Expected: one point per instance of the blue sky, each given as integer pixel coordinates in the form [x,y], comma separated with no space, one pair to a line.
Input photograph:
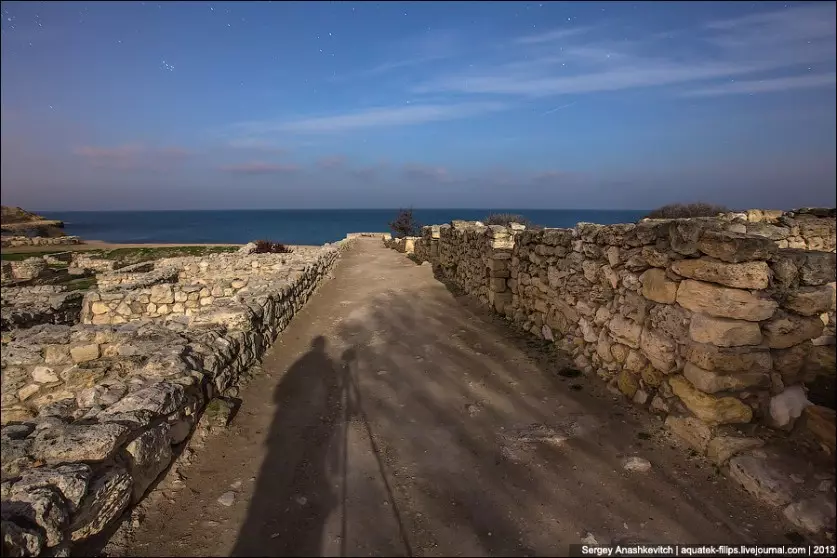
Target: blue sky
[191,105]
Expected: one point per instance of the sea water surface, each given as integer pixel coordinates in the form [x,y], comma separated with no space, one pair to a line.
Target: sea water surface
[290,226]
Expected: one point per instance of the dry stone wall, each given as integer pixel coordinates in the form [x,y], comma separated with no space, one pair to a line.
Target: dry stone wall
[91,412]
[709,322]
[16,241]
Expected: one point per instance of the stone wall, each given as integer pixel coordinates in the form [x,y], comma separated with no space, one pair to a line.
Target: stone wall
[16,241]
[45,304]
[708,322]
[91,412]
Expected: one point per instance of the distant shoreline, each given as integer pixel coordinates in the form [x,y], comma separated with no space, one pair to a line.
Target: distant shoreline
[102,245]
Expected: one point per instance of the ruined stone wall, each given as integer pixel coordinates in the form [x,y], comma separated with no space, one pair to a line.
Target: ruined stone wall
[91,412]
[722,319]
[45,304]
[15,241]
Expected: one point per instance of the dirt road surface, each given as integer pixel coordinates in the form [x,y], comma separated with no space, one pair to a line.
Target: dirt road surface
[396,419]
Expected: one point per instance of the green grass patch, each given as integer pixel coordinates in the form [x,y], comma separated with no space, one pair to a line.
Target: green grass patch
[130,256]
[20,256]
[81,284]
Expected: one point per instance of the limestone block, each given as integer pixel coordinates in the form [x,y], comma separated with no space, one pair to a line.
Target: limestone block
[820,421]
[785,329]
[42,506]
[786,407]
[44,375]
[724,302]
[150,455]
[659,348]
[625,331]
[811,301]
[721,448]
[657,287]
[735,248]
[708,408]
[84,353]
[816,514]
[724,332]
[759,478]
[693,432]
[711,381]
[748,275]
[728,359]
[69,480]
[161,294]
[71,443]
[108,495]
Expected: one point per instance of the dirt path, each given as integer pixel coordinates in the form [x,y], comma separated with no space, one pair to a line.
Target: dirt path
[394,419]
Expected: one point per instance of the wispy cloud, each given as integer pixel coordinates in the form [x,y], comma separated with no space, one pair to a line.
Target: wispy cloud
[333,162]
[373,118]
[553,35]
[259,167]
[134,156]
[556,109]
[786,40]
[766,85]
[423,172]
[261,146]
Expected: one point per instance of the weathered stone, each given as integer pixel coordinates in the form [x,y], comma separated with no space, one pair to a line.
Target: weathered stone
[627,383]
[18,541]
[70,480]
[708,408]
[711,381]
[70,443]
[815,515]
[44,375]
[218,412]
[107,496]
[791,361]
[724,302]
[728,359]
[42,506]
[722,448]
[625,331]
[84,353]
[161,294]
[788,406]
[150,455]
[724,332]
[811,301]
[735,248]
[27,391]
[636,465]
[762,480]
[786,330]
[658,348]
[657,287]
[162,398]
[820,421]
[56,354]
[749,275]
[693,432]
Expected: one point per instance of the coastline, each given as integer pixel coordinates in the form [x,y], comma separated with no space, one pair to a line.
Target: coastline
[102,245]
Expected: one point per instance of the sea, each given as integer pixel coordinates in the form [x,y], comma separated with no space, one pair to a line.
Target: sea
[290,226]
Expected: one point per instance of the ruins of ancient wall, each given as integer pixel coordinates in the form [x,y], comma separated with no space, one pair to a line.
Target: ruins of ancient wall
[16,241]
[709,322]
[91,412]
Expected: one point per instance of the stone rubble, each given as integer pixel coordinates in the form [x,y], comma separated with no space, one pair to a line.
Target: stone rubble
[92,410]
[709,322]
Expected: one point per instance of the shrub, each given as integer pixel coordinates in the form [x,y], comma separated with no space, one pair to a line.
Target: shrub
[683,210]
[405,224]
[505,219]
[268,247]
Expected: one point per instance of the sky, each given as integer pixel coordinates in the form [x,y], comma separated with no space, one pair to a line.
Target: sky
[600,105]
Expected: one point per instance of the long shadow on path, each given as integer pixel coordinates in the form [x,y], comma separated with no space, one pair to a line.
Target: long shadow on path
[293,494]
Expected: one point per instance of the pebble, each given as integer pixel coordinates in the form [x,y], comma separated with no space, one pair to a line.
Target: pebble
[589,539]
[637,464]
[236,485]
[227,499]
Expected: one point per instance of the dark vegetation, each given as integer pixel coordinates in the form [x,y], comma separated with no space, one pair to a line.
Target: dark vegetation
[268,247]
[505,219]
[405,224]
[684,210]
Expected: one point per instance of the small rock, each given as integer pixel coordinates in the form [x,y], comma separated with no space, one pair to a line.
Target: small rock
[236,485]
[815,514]
[44,375]
[227,499]
[301,500]
[636,464]
[588,538]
